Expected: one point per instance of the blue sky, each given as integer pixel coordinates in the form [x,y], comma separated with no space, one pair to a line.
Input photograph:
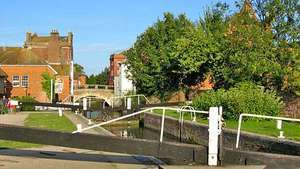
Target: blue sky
[100,27]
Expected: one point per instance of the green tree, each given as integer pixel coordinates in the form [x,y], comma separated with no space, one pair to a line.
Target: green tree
[78,69]
[149,60]
[282,16]
[101,78]
[46,83]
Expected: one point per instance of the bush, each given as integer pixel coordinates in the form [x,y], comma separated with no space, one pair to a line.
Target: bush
[3,109]
[26,107]
[243,98]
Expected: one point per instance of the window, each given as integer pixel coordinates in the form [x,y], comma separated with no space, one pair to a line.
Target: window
[25,81]
[15,81]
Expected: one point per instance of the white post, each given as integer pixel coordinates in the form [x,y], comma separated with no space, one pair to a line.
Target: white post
[79,127]
[51,91]
[279,124]
[239,132]
[90,102]
[60,112]
[138,100]
[72,81]
[103,105]
[128,103]
[213,136]
[162,126]
[84,103]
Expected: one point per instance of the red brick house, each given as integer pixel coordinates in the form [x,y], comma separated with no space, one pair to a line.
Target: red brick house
[114,67]
[25,65]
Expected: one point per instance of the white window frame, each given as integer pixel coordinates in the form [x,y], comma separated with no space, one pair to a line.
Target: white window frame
[15,81]
[24,80]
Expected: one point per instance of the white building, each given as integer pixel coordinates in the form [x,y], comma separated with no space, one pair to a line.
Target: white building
[122,83]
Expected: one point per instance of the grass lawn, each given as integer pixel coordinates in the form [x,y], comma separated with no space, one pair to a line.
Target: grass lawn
[49,121]
[264,127]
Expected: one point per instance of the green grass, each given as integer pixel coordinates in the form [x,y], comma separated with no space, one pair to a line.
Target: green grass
[49,121]
[263,127]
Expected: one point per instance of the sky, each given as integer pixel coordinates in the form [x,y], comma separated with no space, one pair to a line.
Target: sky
[100,27]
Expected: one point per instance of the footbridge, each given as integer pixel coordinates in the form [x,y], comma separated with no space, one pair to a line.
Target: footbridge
[104,92]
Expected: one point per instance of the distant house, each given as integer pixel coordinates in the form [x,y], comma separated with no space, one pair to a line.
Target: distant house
[114,67]
[25,65]
[119,76]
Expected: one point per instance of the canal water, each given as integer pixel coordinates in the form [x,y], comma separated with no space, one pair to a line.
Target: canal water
[134,129]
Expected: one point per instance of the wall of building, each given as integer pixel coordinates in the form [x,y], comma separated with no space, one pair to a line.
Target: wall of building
[54,48]
[66,87]
[35,78]
[123,84]
[114,67]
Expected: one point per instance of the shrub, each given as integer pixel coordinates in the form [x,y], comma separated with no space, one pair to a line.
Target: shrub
[26,107]
[243,98]
[3,109]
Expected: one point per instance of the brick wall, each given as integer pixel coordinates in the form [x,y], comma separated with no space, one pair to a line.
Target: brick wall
[35,78]
[114,67]
[66,87]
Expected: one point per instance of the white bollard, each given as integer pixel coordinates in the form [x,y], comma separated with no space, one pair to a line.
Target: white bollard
[129,103]
[90,122]
[281,136]
[84,102]
[79,127]
[213,144]
[60,112]
[279,124]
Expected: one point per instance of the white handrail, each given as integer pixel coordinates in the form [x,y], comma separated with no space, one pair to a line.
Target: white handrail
[126,96]
[193,114]
[258,116]
[137,113]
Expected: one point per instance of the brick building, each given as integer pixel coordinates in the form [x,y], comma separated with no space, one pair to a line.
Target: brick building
[114,67]
[25,65]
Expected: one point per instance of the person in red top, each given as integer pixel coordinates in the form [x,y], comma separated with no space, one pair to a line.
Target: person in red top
[9,105]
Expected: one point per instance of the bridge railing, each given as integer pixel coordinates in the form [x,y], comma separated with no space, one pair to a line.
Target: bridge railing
[96,86]
[139,97]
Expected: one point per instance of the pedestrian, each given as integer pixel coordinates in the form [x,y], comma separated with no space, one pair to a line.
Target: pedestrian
[9,105]
[4,100]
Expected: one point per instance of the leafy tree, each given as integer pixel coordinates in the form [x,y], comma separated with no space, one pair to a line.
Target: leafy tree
[282,16]
[149,60]
[101,78]
[46,83]
[78,69]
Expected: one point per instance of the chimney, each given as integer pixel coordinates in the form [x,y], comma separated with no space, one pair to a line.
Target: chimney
[70,38]
[28,36]
[54,35]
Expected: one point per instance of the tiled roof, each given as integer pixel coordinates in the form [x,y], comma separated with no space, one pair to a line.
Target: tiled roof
[19,56]
[62,69]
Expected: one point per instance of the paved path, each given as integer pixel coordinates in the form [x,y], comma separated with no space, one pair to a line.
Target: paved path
[79,119]
[14,118]
[51,157]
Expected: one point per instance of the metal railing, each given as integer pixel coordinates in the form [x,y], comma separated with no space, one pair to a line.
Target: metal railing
[193,113]
[258,116]
[79,130]
[129,96]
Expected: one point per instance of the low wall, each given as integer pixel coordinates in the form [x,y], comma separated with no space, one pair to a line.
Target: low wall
[197,133]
